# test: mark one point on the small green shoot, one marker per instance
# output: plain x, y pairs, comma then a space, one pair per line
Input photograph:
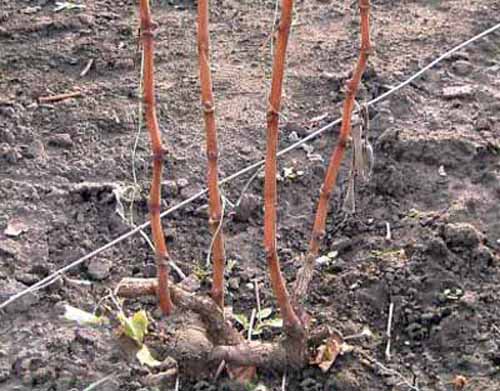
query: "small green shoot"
262, 323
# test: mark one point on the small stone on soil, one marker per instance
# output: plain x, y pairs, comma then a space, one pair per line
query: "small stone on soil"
248, 207
23, 304
62, 140
462, 235
462, 68
234, 283
99, 269
341, 244
458, 92
170, 188
182, 183
26, 278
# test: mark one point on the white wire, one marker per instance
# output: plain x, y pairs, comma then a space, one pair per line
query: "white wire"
243, 171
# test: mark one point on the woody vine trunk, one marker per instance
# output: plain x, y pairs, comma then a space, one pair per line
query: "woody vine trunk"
161, 251
304, 275
214, 204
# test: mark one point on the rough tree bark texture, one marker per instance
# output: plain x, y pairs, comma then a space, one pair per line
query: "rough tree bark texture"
305, 273
218, 252
291, 322
161, 251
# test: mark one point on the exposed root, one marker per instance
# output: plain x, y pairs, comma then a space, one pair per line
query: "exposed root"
205, 338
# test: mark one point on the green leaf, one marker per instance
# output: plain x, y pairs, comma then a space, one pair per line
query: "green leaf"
145, 358
135, 327
242, 320
274, 322
82, 317
257, 330
265, 313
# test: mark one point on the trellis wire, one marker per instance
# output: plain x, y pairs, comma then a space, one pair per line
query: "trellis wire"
52, 278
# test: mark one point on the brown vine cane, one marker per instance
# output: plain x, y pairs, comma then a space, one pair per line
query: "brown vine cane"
161, 251
304, 275
214, 204
291, 322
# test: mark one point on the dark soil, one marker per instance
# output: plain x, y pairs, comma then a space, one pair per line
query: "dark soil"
436, 181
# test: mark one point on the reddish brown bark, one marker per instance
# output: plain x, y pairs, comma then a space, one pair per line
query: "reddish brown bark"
290, 319
305, 273
214, 204
161, 252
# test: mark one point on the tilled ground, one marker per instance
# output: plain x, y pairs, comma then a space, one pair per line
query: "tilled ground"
67, 174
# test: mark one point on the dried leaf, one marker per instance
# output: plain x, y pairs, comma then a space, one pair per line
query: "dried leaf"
459, 382
145, 358
327, 353
82, 317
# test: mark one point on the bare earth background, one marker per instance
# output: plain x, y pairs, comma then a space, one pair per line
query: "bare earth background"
62, 165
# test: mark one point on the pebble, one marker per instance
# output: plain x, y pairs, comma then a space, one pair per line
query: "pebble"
170, 188
234, 283
341, 244
8, 136
453, 92
26, 278
62, 140
86, 20
248, 207
462, 67
99, 269
23, 304
9, 154
483, 123
182, 183
461, 235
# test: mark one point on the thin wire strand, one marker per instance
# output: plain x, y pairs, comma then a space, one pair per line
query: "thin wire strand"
244, 170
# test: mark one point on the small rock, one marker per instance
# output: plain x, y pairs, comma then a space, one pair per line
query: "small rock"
87, 336
9, 154
234, 283
26, 278
35, 150
8, 136
4, 33
454, 92
23, 304
295, 127
483, 123
484, 256
182, 183
86, 20
246, 150
341, 244
462, 68
248, 207
170, 188
62, 140
462, 235
99, 269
